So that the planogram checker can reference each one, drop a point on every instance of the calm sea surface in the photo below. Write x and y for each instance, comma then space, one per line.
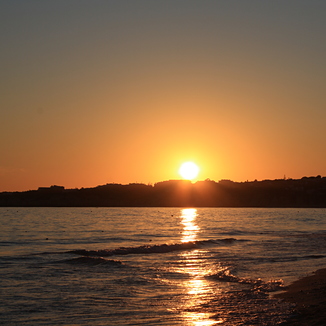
154, 266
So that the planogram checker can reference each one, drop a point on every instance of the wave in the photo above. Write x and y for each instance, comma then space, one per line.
257, 284
314, 256
93, 261
151, 249
292, 258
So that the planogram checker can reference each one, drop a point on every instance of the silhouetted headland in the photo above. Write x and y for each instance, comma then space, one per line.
304, 192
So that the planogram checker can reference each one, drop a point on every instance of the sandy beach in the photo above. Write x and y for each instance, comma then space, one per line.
309, 296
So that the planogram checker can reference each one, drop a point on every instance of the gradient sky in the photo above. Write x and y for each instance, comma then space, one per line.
95, 92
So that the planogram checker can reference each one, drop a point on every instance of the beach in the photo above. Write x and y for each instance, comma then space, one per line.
309, 296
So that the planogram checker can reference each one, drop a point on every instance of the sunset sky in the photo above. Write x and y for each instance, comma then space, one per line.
96, 92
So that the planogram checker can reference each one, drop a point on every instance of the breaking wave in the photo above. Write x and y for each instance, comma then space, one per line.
257, 284
151, 249
93, 261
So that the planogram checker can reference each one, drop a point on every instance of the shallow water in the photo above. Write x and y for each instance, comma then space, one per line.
154, 266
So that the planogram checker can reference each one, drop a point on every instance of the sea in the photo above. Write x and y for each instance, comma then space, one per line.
154, 266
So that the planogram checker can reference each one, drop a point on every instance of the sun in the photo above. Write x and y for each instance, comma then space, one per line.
189, 170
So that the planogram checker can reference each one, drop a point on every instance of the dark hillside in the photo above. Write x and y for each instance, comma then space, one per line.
304, 192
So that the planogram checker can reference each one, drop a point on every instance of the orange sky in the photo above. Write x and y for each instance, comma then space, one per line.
94, 92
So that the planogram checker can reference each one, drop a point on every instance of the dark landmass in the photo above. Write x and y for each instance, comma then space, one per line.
304, 192
309, 296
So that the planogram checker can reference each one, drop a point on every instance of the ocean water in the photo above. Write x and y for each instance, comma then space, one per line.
154, 266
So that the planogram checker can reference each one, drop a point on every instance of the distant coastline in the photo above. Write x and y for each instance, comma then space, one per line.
307, 192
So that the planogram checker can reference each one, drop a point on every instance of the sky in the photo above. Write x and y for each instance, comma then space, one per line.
124, 91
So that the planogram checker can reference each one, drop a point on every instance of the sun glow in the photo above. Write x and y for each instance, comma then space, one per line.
189, 170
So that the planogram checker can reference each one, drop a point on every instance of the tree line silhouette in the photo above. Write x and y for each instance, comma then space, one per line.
304, 192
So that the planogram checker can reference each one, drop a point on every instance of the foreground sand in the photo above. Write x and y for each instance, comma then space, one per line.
309, 296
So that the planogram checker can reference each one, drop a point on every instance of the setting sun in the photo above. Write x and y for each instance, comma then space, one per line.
189, 170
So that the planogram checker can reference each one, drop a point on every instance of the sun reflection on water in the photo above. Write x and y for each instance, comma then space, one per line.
193, 263
200, 319
190, 228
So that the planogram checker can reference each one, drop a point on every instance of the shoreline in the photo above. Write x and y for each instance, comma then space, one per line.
309, 296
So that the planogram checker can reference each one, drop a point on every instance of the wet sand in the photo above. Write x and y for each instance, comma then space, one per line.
309, 296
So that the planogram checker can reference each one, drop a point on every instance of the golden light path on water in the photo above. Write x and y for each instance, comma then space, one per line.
198, 289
